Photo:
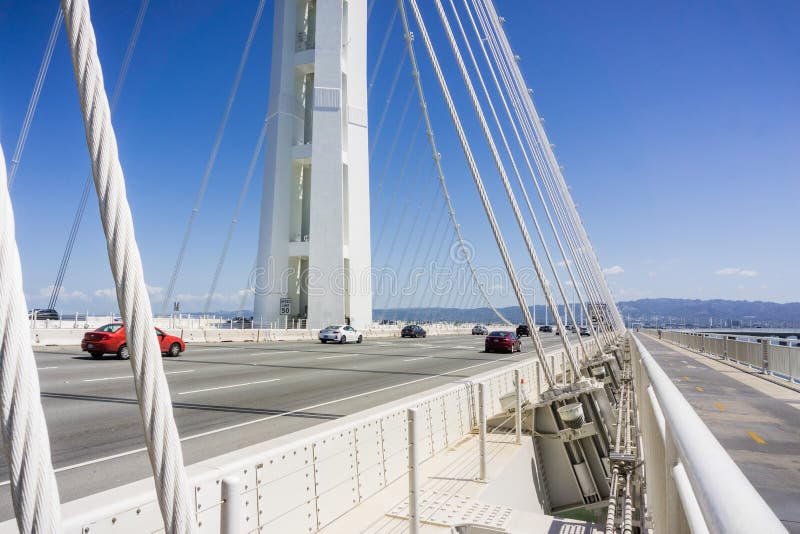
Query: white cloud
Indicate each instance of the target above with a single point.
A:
(616, 269)
(108, 293)
(735, 271)
(562, 263)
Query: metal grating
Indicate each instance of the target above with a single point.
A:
(448, 509)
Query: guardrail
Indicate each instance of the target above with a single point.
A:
(766, 355)
(693, 485)
(303, 481)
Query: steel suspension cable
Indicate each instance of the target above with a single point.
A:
(384, 45)
(509, 115)
(389, 98)
(522, 90)
(212, 157)
(473, 167)
(33, 103)
(235, 219)
(152, 390)
(87, 185)
(512, 160)
(26, 443)
(506, 185)
(547, 150)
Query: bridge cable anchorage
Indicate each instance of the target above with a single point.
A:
(472, 164)
(81, 209)
(531, 114)
(152, 390)
(212, 157)
(239, 203)
(33, 102)
(26, 444)
(565, 258)
(514, 167)
(508, 189)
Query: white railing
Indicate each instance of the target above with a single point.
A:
(693, 485)
(766, 355)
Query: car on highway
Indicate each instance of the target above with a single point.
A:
(523, 330)
(479, 330)
(43, 313)
(546, 328)
(340, 334)
(585, 331)
(110, 339)
(413, 330)
(501, 340)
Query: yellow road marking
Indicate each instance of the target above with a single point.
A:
(720, 406)
(686, 378)
(698, 388)
(756, 438)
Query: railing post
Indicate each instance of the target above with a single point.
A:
(413, 473)
(230, 518)
(518, 408)
(765, 367)
(482, 430)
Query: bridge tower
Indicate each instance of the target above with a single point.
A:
(314, 239)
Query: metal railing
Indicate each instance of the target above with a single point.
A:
(767, 354)
(693, 485)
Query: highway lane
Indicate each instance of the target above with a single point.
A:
(227, 396)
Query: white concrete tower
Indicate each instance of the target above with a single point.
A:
(314, 241)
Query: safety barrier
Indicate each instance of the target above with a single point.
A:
(693, 485)
(303, 481)
(766, 355)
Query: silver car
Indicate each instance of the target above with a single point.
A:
(340, 334)
(479, 330)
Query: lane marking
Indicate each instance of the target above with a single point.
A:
(758, 439)
(698, 388)
(271, 417)
(340, 356)
(131, 376)
(415, 359)
(272, 352)
(720, 406)
(686, 378)
(228, 387)
(44, 368)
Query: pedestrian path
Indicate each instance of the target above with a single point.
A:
(758, 422)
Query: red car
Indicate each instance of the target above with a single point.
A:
(111, 339)
(505, 341)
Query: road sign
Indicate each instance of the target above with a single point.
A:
(286, 306)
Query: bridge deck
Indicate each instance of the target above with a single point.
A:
(758, 422)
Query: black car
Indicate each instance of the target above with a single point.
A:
(545, 328)
(413, 330)
(523, 330)
(43, 313)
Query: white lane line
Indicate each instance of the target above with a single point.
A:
(43, 368)
(131, 376)
(228, 387)
(415, 359)
(339, 356)
(271, 417)
(272, 352)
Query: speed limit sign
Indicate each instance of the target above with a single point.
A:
(286, 306)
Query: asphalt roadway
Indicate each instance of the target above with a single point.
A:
(756, 421)
(228, 396)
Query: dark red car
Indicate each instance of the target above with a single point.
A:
(110, 339)
(505, 341)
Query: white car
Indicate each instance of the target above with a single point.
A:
(340, 334)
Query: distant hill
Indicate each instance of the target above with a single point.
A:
(648, 311)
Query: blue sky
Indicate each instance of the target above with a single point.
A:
(678, 125)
